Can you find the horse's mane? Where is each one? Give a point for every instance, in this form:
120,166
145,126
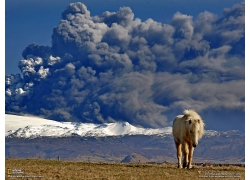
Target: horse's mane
195,115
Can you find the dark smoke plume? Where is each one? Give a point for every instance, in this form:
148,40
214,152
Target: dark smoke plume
115,67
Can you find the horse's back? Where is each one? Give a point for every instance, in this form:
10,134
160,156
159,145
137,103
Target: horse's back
176,129
177,121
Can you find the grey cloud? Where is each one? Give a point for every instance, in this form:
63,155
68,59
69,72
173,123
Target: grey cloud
204,23
130,99
179,93
74,9
184,26
228,29
114,67
124,17
155,32
117,35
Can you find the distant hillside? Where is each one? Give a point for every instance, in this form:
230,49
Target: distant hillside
135,158
226,148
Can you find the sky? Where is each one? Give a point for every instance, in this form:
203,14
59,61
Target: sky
138,61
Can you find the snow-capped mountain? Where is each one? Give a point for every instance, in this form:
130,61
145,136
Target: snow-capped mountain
110,141
32,127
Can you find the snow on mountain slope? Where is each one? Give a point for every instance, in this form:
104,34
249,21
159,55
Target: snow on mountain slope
32,127
14,122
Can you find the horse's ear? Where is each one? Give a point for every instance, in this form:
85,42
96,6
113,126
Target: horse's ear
188,120
185,116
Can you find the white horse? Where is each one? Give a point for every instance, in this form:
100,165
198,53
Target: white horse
187,130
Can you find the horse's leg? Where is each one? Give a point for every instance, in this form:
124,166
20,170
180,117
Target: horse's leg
190,156
185,149
179,154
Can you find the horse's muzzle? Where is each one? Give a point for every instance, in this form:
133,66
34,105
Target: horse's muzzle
194,145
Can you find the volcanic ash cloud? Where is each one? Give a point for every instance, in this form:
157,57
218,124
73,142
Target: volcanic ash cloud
115,67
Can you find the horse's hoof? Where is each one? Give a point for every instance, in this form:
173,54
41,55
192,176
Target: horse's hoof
184,165
179,166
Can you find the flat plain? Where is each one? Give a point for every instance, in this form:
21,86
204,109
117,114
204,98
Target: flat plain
70,170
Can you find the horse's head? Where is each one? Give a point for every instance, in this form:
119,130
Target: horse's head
194,129
194,125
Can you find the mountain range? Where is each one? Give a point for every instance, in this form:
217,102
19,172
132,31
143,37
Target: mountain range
33,127
27,137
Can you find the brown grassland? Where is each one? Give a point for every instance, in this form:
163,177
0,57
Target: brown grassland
66,170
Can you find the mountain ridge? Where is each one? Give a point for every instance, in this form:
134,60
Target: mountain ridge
28,137
33,127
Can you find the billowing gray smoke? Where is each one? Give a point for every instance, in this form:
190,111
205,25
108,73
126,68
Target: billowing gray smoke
117,68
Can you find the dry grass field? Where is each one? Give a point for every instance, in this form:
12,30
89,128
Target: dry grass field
65,170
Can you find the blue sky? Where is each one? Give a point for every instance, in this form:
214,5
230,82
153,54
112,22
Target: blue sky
112,66
30,21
